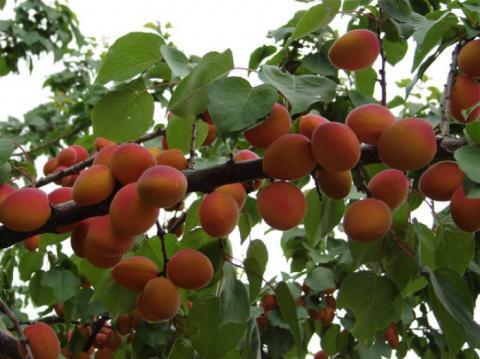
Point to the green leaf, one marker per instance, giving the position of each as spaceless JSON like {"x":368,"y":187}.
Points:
{"x":29,"y":262}
{"x":255,"y":264}
{"x":2,"y":3}
{"x":365,"y":81}
{"x":426,"y":244}
{"x":130,"y":55}
{"x":191,"y":96}
{"x":321,"y":279}
{"x":6,"y":149}
{"x":123,"y":115}
{"x":398,"y":9}
{"x":253,"y":343}
{"x":234,"y":105}
{"x":41,"y":294}
{"x":259,"y":54}
{"x":234,"y":305}
{"x":114,"y":297}
{"x":176,"y":60}
{"x":374,"y":300}
{"x":301,"y":91}
{"x":468,"y":158}
{"x":182,"y":348}
{"x":473,"y":131}
{"x":5,"y":171}
{"x":64,"y":284}
{"x":4,"y":69}
{"x":179,"y":133}
{"x":316,"y":18}
{"x":365,"y":252}
{"x":454,"y":249}
{"x":329,"y":339}
{"x":322,"y":216}
{"x":395,"y":50}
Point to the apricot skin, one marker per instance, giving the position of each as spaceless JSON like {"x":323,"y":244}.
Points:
{"x":465,"y":94}
{"x":82,"y":153}
{"x":282,"y":205}
{"x":408,"y":144}
{"x":269,"y":302}
{"x":190,"y":269}
{"x":133,"y":273}
{"x":390,"y":186}
{"x":129,"y":161}
{"x":289,"y":157}
{"x":465,"y":211}
{"x":468,"y":58}
{"x":335,"y":147}
{"x":78,"y":237}
{"x":174,"y":158}
{"x":275,"y":126}
{"x":104,"y":155}
{"x":247,"y":155}
{"x":43,"y":341}
{"x":32,"y":243}
{"x":101,"y":142}
{"x":308,"y":123}
{"x":369,"y":121}
{"x":336,"y":185}
{"x":355,"y":50}
{"x":237,"y":191}
{"x":50,"y":166}
{"x":367,"y":228}
{"x":440,"y":180}
{"x":67,"y":157}
{"x":93,"y":185}
{"x":5,"y":191}
{"x":218,"y":214}
{"x":25,"y":210}
{"x":161,"y":299}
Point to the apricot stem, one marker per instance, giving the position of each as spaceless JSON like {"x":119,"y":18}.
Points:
{"x":191,"y":158}
{"x":13,"y":318}
{"x":161,"y":234}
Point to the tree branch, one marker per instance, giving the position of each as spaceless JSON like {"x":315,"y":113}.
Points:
{"x":96,"y":327}
{"x":13,"y":318}
{"x":382,"y":71}
{"x":9,"y":346}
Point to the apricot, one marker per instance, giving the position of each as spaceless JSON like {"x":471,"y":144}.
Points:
{"x":82,"y":153}
{"x":174,"y":158}
{"x":390,"y":186}
{"x":327,"y":316}
{"x":160,"y":299}
{"x":31,"y":243}
{"x":101,"y":237}
{"x":282,"y":205}
{"x":129,"y":161}
{"x":59,"y":309}
{"x":5,"y":191}
{"x":369,"y":121}
{"x":335,"y":147}
{"x":321,"y":355}
{"x":101,"y":142}
{"x":408,"y":144}
{"x":78,"y":237}
{"x":104,"y":354}
{"x":50,"y":166}
{"x":289,"y":157}
{"x":154,"y":151}
{"x":124,"y":324}
{"x":130,"y":215}
{"x":247,"y":155}
{"x":25,"y":210}
{"x":67,"y":157}
{"x":391,"y":336}
{"x":468,"y":58}
{"x":162,"y":186}
{"x":277,"y":124}
{"x":219,"y":214}
{"x":465,"y":94}
{"x":465,"y":211}
{"x":367,"y":220}
{"x":269,"y":302}
{"x":356,"y":50}
{"x":190,"y":269}
{"x":308,"y":123}
{"x":65,"y":180}
{"x":336,"y":185}
{"x":95,"y":257}
{"x":62,"y":195}
{"x":93,"y":185}
{"x":43,"y":341}
{"x":104,"y":155}
{"x":237,"y":191}
{"x":440,"y":180}
{"x":133,"y":273}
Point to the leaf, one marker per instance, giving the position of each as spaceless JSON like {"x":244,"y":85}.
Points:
{"x":40,"y":294}
{"x":179,"y":133}
{"x":253,"y":343}
{"x":29,"y":262}
{"x":191,"y":96}
{"x":259,"y":54}
{"x":426,"y":244}
{"x":64,"y":284}
{"x":473,"y":131}
{"x":6,"y":149}
{"x":182,"y":348}
{"x":301,"y":91}
{"x":395,"y":51}
{"x":468,"y":158}
{"x":398,"y":9}
{"x":123,"y":115}
{"x":374,"y":300}
{"x":365,"y":252}
{"x":315,"y":18}
{"x":114,"y":297}
{"x":321,"y":279}
{"x":2,"y":4}
{"x":130,"y":55}
{"x":454,"y":249}
{"x":5,"y":171}
{"x":176,"y":60}
{"x":234,"y":105}
{"x":365,"y":81}
{"x":234,"y":305}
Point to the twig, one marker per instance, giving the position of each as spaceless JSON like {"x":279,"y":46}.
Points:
{"x":177,"y":223}
{"x":402,"y":245}
{"x":191,"y":158}
{"x":13,"y":318}
{"x":161,"y":234}
{"x":363,"y":179}
{"x":96,"y":327}
{"x":313,"y":174}
{"x":382,"y":71}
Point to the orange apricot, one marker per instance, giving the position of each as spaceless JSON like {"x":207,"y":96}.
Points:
{"x":50,"y":166}
{"x":82,"y":153}
{"x":468,"y":58}
{"x":308,"y":123}
{"x":269,"y":302}
{"x":336,"y":185}
{"x":219,"y":214}
{"x":104,"y":354}
{"x":465,"y":94}
{"x":174,"y":158}
{"x":190,"y":269}
{"x":133,"y":273}
{"x":367,"y":220}
{"x":440,"y":180}
{"x":104,"y":155}
{"x":237,"y":191}
{"x":67,"y":157}
{"x":43,"y":341}
{"x":321,"y":355}
{"x":5,"y":191}
{"x":65,"y":180}
{"x":129,"y":161}
{"x":243,"y":156}
{"x":408,"y":144}
{"x":369,"y":121}
{"x":465,"y":211}
{"x":390,"y":186}
{"x":335,"y":147}
{"x":101,"y":143}
{"x":93,"y":185}
{"x":61,"y":195}
{"x":31,"y":243}
{"x":160,"y":300}
{"x":95,"y":257}
{"x":78,"y":237}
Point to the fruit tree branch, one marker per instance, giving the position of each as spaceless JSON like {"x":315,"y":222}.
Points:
{"x":13,"y":318}
{"x":96,"y":327}
{"x":382,"y":71}
{"x":9,"y":346}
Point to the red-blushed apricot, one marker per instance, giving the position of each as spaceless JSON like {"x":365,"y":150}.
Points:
{"x":335,"y":147}
{"x":50,"y":166}
{"x":336,"y":185}
{"x":25,"y":210}
{"x":369,"y":121}
{"x":468,"y":58}
{"x":129,"y":161}
{"x":282,"y":205}
{"x":95,"y":257}
{"x":124,"y":324}
{"x":160,"y":300}
{"x":391,"y":336}
{"x":355,"y":50}
{"x":5,"y":191}
{"x":135,"y":317}
{"x":104,"y":155}
{"x":440,"y":180}
{"x":321,"y":355}
{"x":130,"y":215}
{"x":269,"y":302}
{"x":247,"y":155}
{"x":43,"y":341}
{"x":65,"y":180}
{"x":104,"y":354}
{"x":308,"y":123}
{"x":154,"y":151}
{"x":465,"y":94}
{"x":101,"y":237}
{"x":78,"y":237}
{"x":67,"y":157}
{"x":190,"y":269}
{"x":276,"y":125}
{"x":408,"y":144}
{"x":390,"y":186}
{"x":237,"y":191}
{"x":31,"y":243}
{"x":93,"y":185}
{"x":367,"y":220}
{"x":218,"y":214}
{"x":82,"y":153}
{"x":174,"y":158}
{"x":162,"y":186}
{"x":289,"y":157}
{"x":101,"y":143}
{"x":133,"y":273}
{"x":465,"y":211}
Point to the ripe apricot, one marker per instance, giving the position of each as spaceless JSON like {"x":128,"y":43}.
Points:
{"x":289,"y":157}
{"x":31,"y":243}
{"x":160,"y":299}
{"x":336,"y":185}
{"x":43,"y":341}
{"x":162,"y":186}
{"x":247,"y":155}
{"x":390,"y":186}
{"x":282,"y":205}
{"x":25,"y":210}
{"x":124,"y":324}
{"x":101,"y":142}
{"x":5,"y":191}
{"x":369,"y":121}
{"x":321,"y":355}
{"x":391,"y":336}
{"x":133,"y":273}
{"x":367,"y":220}
{"x":102,"y":237}
{"x":355,"y":50}
{"x":408,"y":144}
{"x":50,"y":166}
{"x":468,"y":58}
{"x":276,"y":125}
{"x":77,"y":239}
{"x":82,"y":153}
{"x":465,"y":94}
{"x":465,"y":211}
{"x":65,"y":180}
{"x":104,"y":354}
{"x":190,"y":269}
{"x":237,"y":191}
{"x":174,"y":158}
{"x":129,"y":161}
{"x":95,"y":257}
{"x":218,"y":214}
{"x":335,"y":147}
{"x":93,"y":185}
{"x":440,"y":180}
{"x":104,"y":155}
{"x":130,"y":215}
{"x":308,"y":123}
{"x":60,"y":195}
{"x":67,"y":157}
{"x":269,"y":302}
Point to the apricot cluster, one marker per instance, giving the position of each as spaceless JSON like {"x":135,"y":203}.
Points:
{"x":66,"y":157}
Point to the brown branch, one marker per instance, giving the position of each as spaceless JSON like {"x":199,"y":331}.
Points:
{"x":161,"y":234}
{"x":13,"y":318}
{"x":9,"y":346}
{"x":363,"y":179}
{"x":96,"y":327}
{"x":177,"y":223}
{"x":191,"y":157}
{"x":382,"y":71}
